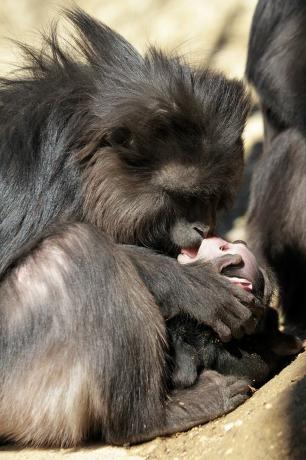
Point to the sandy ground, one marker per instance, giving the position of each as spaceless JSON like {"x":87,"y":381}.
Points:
{"x":271,"y":425}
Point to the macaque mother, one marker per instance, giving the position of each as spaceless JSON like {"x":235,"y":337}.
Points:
{"x":111,"y":163}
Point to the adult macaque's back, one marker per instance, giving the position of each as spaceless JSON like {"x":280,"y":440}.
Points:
{"x":103,"y":155}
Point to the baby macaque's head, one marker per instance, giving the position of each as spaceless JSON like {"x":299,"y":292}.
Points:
{"x":247,"y":274}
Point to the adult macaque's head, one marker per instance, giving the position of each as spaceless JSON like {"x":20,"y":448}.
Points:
{"x":247,"y":274}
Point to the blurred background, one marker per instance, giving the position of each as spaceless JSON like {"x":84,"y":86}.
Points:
{"x":214,"y":32}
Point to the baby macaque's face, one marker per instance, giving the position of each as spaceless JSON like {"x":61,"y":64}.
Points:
{"x":245,"y":274}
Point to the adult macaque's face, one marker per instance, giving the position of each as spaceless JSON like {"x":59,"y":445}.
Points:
{"x":245,"y":274}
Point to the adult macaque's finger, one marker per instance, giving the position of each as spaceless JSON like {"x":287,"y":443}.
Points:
{"x":224,"y":261}
{"x":219,"y":263}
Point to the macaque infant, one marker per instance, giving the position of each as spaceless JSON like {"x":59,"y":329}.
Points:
{"x":195,"y":347}
{"x":245,"y":273}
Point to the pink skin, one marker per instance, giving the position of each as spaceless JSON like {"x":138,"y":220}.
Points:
{"x":214,"y":247}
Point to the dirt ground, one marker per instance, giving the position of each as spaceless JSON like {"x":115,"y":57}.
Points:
{"x":271,"y":425}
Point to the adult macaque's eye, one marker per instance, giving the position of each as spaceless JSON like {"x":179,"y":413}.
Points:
{"x":120,"y":136}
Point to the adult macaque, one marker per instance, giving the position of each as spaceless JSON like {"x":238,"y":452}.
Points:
{"x":103,"y":151}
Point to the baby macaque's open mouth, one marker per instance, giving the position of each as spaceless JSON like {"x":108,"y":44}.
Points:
{"x":211,"y":248}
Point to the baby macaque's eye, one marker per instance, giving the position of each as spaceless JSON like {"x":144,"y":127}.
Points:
{"x":240,"y":242}
{"x":224,"y":247}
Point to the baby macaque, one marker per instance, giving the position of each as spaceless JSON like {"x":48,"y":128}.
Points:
{"x":245,"y":273}
{"x":196,"y":347}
